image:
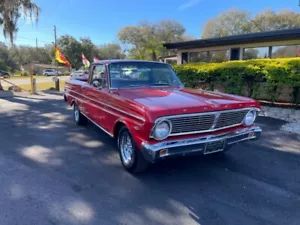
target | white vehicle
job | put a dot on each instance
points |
(51, 72)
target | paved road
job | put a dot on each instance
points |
(52, 172)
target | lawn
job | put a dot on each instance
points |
(41, 86)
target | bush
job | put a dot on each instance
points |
(246, 77)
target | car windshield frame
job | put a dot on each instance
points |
(139, 67)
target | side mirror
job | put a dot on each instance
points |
(96, 83)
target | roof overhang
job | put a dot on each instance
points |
(252, 38)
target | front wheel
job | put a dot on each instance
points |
(131, 158)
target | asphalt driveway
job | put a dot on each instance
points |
(53, 172)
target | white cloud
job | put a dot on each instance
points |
(188, 4)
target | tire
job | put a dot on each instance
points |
(131, 158)
(79, 119)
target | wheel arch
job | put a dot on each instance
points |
(118, 125)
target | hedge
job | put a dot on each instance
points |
(265, 79)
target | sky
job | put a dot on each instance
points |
(101, 20)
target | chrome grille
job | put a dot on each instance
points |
(193, 123)
(205, 122)
(230, 118)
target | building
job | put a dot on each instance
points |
(237, 47)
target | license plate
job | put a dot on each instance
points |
(216, 146)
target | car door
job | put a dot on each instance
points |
(96, 93)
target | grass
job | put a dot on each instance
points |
(41, 86)
(28, 77)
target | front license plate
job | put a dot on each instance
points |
(216, 146)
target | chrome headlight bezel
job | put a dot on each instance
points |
(154, 131)
(250, 117)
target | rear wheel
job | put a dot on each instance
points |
(78, 117)
(131, 158)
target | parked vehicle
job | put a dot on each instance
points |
(51, 72)
(4, 74)
(146, 108)
(80, 75)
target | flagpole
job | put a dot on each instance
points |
(55, 46)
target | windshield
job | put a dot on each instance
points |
(141, 74)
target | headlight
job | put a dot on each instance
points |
(161, 130)
(250, 118)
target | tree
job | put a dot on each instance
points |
(6, 62)
(24, 54)
(270, 20)
(11, 11)
(72, 49)
(232, 22)
(146, 40)
(110, 51)
(236, 22)
(88, 48)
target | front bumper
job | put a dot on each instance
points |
(154, 152)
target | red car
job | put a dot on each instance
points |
(146, 108)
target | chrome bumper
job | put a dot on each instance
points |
(154, 152)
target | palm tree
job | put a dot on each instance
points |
(11, 11)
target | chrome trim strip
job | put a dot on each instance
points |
(119, 110)
(97, 106)
(200, 140)
(97, 125)
(205, 113)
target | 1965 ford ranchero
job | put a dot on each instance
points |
(146, 108)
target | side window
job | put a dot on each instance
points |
(99, 76)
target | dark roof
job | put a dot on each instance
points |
(279, 35)
(109, 61)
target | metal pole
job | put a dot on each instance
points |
(55, 45)
(55, 37)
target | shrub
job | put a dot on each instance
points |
(245, 77)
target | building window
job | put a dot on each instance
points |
(286, 51)
(209, 56)
(256, 53)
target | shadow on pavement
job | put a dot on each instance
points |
(72, 175)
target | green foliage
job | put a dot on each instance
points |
(72, 49)
(6, 61)
(11, 11)
(244, 77)
(234, 22)
(110, 51)
(146, 40)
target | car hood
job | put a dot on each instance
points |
(173, 101)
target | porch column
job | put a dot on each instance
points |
(241, 55)
(179, 58)
(270, 52)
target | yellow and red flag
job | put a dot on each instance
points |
(59, 57)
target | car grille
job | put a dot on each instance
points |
(205, 122)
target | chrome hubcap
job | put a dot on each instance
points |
(76, 114)
(126, 149)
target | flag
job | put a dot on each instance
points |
(96, 60)
(85, 61)
(59, 57)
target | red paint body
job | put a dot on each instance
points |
(138, 108)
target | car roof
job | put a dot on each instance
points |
(109, 61)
